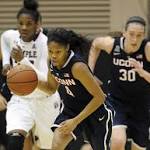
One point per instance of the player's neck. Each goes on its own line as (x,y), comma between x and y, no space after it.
(129,48)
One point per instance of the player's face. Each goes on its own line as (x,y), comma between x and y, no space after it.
(27,27)
(134,36)
(58,54)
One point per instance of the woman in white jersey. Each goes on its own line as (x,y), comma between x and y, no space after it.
(36,111)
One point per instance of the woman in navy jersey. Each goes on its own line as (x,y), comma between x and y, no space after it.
(129,88)
(84,101)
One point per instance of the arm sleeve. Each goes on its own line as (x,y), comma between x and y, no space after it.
(43,59)
(40,75)
(5,48)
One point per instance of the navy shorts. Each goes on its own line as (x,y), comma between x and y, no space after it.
(97,127)
(136,120)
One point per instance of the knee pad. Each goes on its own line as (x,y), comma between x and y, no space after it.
(15,141)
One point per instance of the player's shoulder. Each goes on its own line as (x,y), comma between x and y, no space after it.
(10,33)
(147,43)
(104,43)
(104,39)
(147,50)
(41,42)
(42,37)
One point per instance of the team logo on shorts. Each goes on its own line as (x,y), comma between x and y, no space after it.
(56,105)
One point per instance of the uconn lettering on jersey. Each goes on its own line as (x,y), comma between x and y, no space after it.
(125,74)
(122,62)
(66,82)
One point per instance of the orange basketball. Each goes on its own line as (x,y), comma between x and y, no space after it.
(22,80)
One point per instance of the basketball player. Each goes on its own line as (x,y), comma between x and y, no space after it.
(5,96)
(129,89)
(38,110)
(83,99)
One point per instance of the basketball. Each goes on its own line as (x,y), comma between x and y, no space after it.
(22,80)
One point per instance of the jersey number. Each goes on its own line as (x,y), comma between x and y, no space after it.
(127,75)
(68,91)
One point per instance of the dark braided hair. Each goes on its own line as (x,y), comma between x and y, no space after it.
(30,7)
(77,43)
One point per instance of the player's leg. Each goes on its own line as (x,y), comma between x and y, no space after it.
(139,134)
(19,122)
(76,144)
(44,119)
(86,146)
(120,123)
(139,125)
(99,129)
(136,147)
(35,148)
(16,140)
(118,142)
(28,143)
(60,141)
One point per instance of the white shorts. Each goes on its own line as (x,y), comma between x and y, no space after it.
(37,115)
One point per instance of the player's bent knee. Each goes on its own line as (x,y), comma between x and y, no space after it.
(15,141)
(117,143)
(56,145)
(60,141)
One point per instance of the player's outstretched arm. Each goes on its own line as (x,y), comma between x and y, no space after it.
(98,44)
(50,86)
(81,72)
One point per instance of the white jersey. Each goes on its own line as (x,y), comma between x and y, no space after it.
(36,111)
(36,53)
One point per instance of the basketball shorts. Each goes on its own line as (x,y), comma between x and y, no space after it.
(97,127)
(37,115)
(133,119)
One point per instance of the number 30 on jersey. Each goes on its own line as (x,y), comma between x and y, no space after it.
(127,75)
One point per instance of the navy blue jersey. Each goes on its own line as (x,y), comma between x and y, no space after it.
(126,83)
(74,94)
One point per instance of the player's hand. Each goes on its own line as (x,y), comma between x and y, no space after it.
(3,103)
(137,66)
(5,69)
(67,126)
(17,53)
